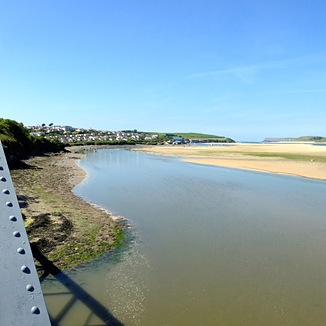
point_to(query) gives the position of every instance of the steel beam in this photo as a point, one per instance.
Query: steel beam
(21, 298)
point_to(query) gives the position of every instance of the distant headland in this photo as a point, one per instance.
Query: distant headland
(299, 139)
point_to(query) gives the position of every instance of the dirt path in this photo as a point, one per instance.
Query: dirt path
(65, 228)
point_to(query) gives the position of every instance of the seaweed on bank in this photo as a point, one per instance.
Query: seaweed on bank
(65, 228)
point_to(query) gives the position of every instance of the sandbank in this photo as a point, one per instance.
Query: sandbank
(299, 159)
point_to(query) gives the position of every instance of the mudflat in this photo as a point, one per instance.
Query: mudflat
(66, 229)
(306, 160)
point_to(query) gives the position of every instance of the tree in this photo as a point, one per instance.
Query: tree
(18, 143)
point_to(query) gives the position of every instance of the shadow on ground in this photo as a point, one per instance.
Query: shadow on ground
(21, 165)
(76, 296)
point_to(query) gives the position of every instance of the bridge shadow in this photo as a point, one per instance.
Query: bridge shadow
(21, 165)
(76, 295)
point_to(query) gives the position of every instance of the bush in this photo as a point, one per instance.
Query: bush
(18, 143)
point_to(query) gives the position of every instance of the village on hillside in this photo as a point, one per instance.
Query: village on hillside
(68, 134)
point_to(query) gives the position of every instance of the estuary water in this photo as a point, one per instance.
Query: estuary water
(207, 246)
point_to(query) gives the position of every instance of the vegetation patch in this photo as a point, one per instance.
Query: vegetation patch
(18, 143)
(288, 156)
(311, 139)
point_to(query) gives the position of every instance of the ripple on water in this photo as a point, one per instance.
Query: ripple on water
(126, 285)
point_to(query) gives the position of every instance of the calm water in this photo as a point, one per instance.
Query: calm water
(208, 246)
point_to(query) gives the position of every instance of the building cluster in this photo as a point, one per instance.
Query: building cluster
(68, 134)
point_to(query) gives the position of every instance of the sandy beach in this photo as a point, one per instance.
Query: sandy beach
(305, 160)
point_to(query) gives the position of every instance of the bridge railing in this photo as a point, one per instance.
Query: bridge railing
(21, 299)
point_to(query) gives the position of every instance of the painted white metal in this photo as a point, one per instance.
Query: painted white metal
(21, 299)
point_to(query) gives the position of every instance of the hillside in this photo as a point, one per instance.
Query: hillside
(193, 136)
(299, 139)
(18, 143)
(311, 138)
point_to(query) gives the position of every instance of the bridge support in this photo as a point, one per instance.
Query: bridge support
(21, 299)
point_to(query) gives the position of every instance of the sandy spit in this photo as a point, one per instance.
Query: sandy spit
(305, 160)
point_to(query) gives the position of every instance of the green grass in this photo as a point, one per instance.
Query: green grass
(194, 135)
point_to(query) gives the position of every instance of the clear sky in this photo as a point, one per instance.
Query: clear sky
(245, 69)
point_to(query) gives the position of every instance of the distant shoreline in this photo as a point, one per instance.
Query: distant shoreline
(299, 159)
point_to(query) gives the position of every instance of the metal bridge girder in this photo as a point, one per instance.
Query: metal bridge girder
(21, 300)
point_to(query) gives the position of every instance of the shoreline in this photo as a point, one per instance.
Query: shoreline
(274, 168)
(64, 227)
(72, 232)
(302, 160)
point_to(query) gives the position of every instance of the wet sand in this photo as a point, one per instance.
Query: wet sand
(305, 160)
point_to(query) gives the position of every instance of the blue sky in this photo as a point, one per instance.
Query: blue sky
(242, 69)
